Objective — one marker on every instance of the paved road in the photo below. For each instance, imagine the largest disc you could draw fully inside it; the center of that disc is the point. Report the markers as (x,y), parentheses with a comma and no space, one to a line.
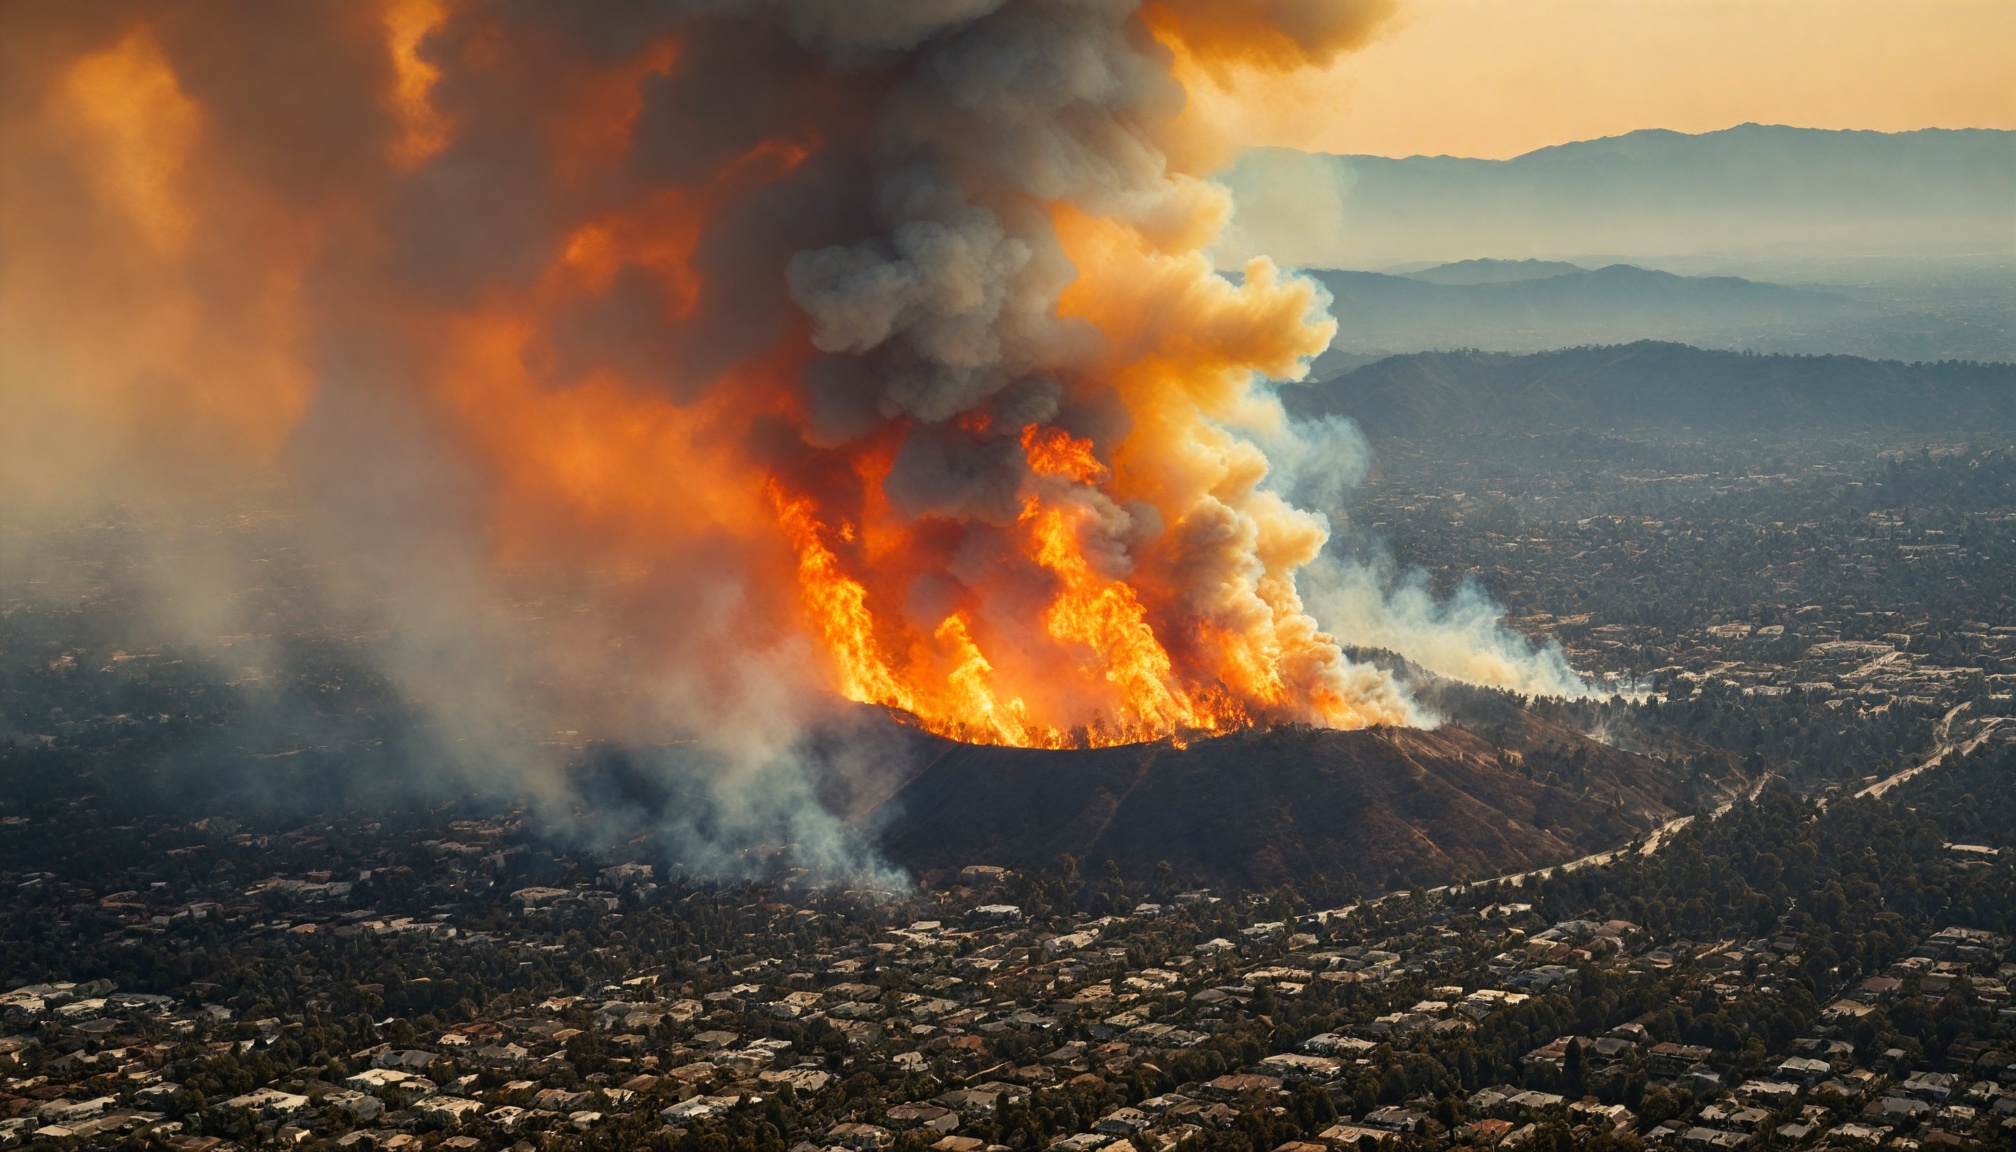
(1645,847)
(1943,745)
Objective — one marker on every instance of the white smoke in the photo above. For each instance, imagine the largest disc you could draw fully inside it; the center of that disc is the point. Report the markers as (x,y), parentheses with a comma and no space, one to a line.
(1367,599)
(1377,604)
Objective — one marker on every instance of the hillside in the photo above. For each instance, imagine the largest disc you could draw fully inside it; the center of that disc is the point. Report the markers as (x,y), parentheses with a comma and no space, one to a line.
(1528,306)
(1391,807)
(1486,271)
(1664,389)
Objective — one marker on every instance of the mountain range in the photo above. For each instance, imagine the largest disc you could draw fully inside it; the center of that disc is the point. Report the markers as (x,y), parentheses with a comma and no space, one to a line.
(1529,305)
(1755,188)
(1662,389)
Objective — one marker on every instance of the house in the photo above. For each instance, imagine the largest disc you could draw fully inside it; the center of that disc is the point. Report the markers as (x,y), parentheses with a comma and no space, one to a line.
(1552,1056)
(1123,1122)
(1933,1086)
(981,1099)
(270,1103)
(378,1081)
(1292,1067)
(1605,1049)
(1490,1101)
(1484,1132)
(1394,1118)
(447,1109)
(693,1109)
(862,1137)
(1702,1080)
(1234,1085)
(935,1117)
(1202,1115)
(357,1105)
(1483,1002)
(621,876)
(502,1055)
(806,1080)
(556,1100)
(1352,1134)
(1728,1114)
(1399,1023)
(1669,1061)
(1708,1139)
(1896,1108)
(1805,1069)
(1776,1093)
(1876,989)
(1846,1009)
(69,1112)
(1615,1118)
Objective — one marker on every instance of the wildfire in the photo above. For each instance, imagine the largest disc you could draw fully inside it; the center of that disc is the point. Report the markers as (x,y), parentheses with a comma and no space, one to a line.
(838,606)
(846,333)
(1106,618)
(1100,625)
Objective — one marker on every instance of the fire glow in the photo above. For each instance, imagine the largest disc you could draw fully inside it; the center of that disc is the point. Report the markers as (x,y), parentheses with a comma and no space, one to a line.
(901,315)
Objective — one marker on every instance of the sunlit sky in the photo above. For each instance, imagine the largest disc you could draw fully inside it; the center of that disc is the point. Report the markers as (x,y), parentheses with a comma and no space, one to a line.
(1495,78)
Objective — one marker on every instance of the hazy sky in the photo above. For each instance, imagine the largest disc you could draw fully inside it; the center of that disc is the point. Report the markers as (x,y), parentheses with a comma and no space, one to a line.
(1495,78)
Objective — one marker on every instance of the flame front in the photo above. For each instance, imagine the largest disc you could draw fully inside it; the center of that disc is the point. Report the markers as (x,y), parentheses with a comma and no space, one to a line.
(891,327)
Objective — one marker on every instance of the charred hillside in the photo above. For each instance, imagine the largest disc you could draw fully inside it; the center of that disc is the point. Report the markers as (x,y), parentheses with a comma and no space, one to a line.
(1391,807)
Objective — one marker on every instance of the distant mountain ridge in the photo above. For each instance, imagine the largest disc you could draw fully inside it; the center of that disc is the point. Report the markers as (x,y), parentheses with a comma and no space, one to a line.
(1489,271)
(1754,187)
(1528,306)
(1662,389)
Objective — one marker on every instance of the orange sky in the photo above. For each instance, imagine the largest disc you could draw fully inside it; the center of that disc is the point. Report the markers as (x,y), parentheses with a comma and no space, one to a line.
(1494,78)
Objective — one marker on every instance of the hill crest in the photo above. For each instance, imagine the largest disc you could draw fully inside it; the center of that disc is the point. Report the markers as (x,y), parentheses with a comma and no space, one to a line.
(1389,807)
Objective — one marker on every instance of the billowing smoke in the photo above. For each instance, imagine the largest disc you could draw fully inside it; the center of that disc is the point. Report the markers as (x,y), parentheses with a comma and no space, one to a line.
(1360,593)
(1462,637)
(671,371)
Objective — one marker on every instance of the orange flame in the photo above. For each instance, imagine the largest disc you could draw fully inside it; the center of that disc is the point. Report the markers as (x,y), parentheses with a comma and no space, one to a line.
(1055,452)
(838,607)
(1106,617)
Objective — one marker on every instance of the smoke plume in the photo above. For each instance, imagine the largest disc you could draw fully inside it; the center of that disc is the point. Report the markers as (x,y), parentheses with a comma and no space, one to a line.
(674,370)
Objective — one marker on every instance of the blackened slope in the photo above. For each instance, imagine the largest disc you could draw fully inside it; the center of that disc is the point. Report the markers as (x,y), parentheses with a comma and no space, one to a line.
(1023,807)
(1662,389)
(1389,806)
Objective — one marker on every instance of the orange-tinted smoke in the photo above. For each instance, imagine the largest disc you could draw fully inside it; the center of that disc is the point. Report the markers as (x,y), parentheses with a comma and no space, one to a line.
(930,380)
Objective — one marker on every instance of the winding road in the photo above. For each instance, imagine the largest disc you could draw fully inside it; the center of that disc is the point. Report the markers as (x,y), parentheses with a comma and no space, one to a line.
(1943,744)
